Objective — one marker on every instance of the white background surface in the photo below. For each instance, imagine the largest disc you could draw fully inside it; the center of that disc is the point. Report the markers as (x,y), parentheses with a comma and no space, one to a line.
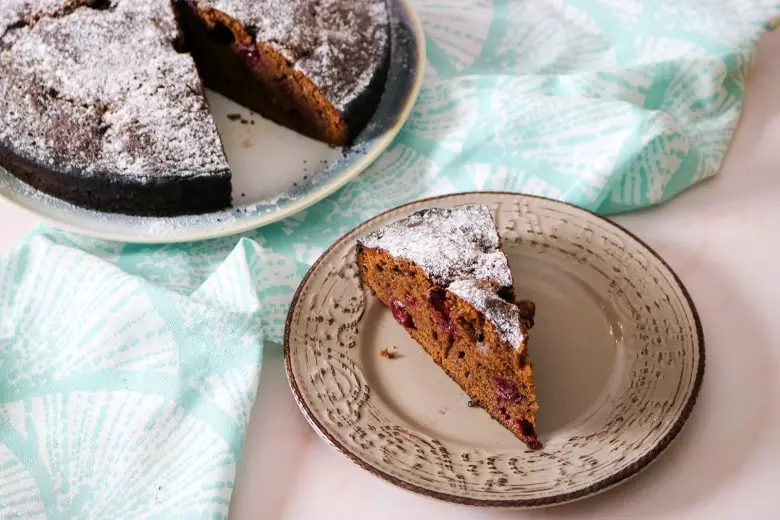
(723,239)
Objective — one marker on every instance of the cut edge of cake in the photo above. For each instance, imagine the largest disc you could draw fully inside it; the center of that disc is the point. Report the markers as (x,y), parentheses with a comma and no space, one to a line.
(444,277)
(267,78)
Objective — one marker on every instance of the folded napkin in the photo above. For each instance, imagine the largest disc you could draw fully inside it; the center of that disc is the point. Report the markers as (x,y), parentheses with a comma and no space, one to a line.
(127,372)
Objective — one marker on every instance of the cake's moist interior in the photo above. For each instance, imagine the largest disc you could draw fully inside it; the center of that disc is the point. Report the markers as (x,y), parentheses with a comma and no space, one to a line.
(459,340)
(254,74)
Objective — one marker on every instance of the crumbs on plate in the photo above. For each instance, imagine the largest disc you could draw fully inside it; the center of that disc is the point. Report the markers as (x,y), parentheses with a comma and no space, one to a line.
(387,354)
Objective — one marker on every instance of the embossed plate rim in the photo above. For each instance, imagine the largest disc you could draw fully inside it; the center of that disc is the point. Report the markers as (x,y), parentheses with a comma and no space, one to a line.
(214,227)
(601,486)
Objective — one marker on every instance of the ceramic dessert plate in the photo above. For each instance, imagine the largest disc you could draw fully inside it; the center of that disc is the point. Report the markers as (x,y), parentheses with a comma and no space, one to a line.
(617,349)
(275,171)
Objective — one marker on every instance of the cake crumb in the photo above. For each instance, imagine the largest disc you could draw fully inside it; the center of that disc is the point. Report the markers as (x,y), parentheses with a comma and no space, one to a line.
(385,353)
(473,403)
(234,117)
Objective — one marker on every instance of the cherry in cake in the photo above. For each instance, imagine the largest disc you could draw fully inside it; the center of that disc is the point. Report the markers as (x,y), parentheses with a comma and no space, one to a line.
(442,274)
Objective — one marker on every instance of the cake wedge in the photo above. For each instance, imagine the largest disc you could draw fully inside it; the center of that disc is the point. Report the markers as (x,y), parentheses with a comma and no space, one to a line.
(444,277)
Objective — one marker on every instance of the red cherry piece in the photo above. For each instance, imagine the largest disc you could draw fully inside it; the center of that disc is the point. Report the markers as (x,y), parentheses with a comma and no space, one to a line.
(437,298)
(507,390)
(400,314)
(251,55)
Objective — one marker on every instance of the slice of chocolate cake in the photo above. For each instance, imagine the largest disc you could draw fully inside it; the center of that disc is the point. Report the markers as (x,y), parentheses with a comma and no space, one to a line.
(447,282)
(317,67)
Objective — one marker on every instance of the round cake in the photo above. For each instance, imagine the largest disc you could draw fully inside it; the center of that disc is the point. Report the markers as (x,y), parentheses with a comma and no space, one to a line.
(102,102)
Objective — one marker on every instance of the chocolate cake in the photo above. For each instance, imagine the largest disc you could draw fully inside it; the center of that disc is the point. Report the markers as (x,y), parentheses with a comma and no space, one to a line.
(102,101)
(445,279)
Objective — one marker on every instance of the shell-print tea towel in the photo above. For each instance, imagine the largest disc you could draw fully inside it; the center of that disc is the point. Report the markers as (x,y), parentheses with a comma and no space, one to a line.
(127,372)
(612,105)
(121,398)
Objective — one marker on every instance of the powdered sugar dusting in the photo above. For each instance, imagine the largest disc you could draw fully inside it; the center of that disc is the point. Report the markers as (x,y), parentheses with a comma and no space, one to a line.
(504,316)
(449,244)
(103,92)
(339,44)
(16,13)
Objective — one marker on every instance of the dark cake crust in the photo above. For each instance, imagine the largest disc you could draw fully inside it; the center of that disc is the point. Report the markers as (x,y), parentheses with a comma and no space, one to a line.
(161,196)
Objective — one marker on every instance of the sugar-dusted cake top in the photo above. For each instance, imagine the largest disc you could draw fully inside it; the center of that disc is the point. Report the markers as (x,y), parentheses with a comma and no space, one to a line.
(102,91)
(449,244)
(339,44)
(459,249)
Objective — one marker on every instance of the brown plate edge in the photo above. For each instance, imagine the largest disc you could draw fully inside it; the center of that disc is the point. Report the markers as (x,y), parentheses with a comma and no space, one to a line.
(600,486)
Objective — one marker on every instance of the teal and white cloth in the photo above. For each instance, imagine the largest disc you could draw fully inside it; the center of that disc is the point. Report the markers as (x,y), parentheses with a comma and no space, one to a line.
(128,372)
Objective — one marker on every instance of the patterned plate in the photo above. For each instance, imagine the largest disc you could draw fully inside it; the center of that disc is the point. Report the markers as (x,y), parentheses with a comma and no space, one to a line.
(276,172)
(617,348)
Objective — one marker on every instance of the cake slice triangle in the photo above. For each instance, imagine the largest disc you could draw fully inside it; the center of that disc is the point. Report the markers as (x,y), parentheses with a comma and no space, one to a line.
(444,277)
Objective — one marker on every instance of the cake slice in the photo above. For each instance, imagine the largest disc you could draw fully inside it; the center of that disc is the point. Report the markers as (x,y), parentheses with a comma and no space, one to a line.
(444,277)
